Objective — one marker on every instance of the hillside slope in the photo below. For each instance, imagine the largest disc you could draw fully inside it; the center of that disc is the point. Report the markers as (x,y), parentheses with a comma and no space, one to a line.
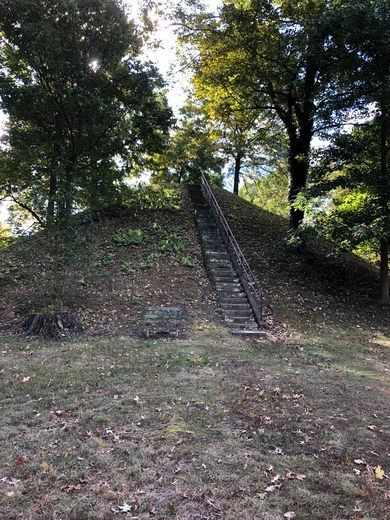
(90,272)
(309,291)
(106,284)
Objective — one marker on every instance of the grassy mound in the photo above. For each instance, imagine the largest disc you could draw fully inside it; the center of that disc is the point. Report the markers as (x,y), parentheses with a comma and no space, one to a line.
(310,289)
(105,270)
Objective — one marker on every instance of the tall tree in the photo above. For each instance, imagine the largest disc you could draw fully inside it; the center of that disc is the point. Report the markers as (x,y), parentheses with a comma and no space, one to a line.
(349,176)
(78,98)
(277,55)
(193,149)
(362,38)
(245,135)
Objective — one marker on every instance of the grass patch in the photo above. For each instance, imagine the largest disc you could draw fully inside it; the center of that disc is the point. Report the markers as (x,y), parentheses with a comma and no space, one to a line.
(208,426)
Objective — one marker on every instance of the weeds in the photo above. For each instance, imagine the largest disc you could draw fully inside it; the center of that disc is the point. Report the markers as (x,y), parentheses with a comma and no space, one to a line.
(172,243)
(127,267)
(108,259)
(129,237)
(150,260)
(187,261)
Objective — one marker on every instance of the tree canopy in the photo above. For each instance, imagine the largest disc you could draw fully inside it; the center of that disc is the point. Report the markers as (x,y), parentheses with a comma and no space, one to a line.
(82,106)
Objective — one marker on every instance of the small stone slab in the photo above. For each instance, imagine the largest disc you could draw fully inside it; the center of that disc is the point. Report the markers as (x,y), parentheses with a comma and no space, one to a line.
(163,315)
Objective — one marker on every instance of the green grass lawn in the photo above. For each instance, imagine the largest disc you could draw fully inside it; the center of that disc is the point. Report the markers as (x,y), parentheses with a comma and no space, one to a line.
(210,426)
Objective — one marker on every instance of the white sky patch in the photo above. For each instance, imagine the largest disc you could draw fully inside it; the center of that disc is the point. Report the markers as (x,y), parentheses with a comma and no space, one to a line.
(94,65)
(3,121)
(164,53)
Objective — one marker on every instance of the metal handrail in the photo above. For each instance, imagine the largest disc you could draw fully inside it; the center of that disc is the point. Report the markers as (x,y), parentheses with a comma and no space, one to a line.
(244,271)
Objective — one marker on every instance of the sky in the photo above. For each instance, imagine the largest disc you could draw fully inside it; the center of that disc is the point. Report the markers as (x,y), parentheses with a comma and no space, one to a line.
(165,55)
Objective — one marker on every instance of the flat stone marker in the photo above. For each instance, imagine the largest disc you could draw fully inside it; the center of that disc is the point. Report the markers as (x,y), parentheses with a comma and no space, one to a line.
(169,316)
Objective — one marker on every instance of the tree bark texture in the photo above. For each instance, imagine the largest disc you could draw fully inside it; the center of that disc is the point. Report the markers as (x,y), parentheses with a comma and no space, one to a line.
(50,216)
(52,326)
(237,171)
(299,166)
(385,176)
(384,271)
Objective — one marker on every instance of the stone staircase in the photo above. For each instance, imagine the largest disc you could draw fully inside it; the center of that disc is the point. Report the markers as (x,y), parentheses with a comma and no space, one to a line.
(234,303)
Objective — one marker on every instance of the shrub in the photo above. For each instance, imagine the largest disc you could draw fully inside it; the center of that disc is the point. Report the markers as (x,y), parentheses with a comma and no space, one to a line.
(152,197)
(186,261)
(150,260)
(172,243)
(129,237)
(127,268)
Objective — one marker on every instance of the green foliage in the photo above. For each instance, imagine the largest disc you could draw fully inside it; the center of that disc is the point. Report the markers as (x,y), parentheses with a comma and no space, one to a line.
(193,150)
(269,191)
(349,198)
(150,260)
(187,261)
(349,174)
(78,98)
(127,267)
(108,259)
(166,243)
(161,198)
(129,237)
(5,237)
(171,243)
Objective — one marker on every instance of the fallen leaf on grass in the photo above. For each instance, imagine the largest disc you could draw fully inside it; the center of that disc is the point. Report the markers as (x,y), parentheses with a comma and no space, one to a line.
(11,481)
(272,488)
(379,472)
(289,515)
(19,461)
(45,466)
(126,508)
(26,379)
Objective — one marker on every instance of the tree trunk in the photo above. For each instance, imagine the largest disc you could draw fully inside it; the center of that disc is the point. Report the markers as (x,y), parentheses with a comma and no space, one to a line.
(299,167)
(385,177)
(384,271)
(65,204)
(237,171)
(50,216)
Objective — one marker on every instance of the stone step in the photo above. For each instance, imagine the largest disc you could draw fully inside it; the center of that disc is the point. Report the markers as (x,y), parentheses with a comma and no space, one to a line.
(206,223)
(208,229)
(219,263)
(216,246)
(233,298)
(235,306)
(214,256)
(252,325)
(237,313)
(239,319)
(215,243)
(227,279)
(223,271)
(229,288)
(223,295)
